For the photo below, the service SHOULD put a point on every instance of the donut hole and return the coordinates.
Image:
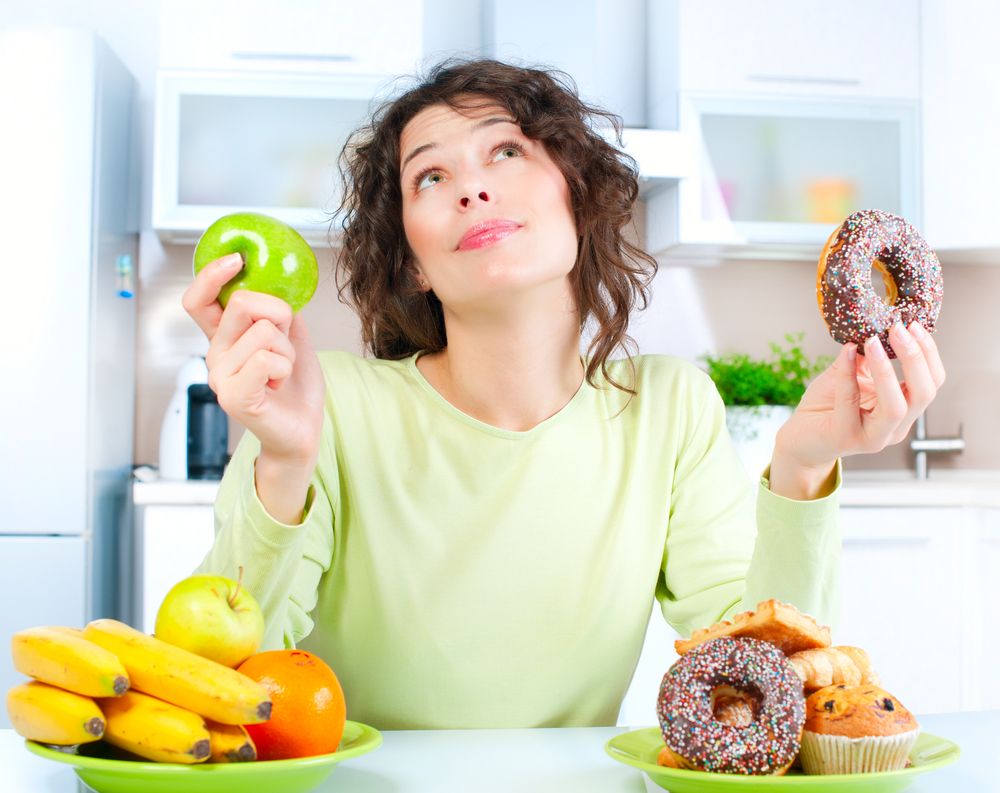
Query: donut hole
(733, 707)
(883, 284)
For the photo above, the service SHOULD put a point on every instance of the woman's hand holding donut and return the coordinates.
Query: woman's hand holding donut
(266, 375)
(857, 406)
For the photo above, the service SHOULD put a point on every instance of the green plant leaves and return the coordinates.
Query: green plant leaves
(781, 380)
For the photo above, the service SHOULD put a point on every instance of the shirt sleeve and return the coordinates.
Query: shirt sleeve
(718, 560)
(282, 564)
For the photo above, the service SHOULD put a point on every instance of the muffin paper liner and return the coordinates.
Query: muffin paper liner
(837, 754)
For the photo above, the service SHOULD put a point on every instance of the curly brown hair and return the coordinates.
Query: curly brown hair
(611, 275)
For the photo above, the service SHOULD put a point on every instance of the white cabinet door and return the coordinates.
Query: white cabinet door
(986, 640)
(803, 47)
(332, 37)
(902, 600)
(174, 540)
(961, 113)
(43, 581)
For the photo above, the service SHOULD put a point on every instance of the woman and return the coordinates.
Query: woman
(471, 525)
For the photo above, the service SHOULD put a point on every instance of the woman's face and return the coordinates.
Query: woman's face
(486, 211)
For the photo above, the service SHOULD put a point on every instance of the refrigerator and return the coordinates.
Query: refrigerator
(68, 247)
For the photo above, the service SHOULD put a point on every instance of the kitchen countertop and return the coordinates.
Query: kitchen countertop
(957, 487)
(531, 761)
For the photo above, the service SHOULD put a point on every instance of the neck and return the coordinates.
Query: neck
(510, 369)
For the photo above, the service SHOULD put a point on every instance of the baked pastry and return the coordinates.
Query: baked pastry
(852, 309)
(774, 622)
(828, 666)
(751, 671)
(854, 730)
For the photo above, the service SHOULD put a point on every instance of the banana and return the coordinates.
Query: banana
(49, 714)
(231, 743)
(182, 678)
(155, 730)
(62, 657)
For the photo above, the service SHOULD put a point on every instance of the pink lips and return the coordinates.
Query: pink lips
(486, 233)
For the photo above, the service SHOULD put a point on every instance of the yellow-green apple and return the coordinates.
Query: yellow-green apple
(276, 259)
(211, 616)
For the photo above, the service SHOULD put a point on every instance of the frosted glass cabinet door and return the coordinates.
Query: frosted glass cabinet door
(775, 172)
(42, 582)
(247, 142)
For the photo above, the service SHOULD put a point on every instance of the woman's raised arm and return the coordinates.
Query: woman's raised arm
(265, 374)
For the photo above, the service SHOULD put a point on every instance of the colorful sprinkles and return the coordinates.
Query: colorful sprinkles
(853, 311)
(769, 743)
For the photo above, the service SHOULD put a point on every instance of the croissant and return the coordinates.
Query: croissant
(831, 666)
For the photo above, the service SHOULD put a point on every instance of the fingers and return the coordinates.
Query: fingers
(930, 351)
(243, 310)
(891, 407)
(263, 335)
(919, 384)
(201, 298)
(847, 393)
(250, 384)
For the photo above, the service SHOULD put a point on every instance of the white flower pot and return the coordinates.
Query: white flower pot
(753, 430)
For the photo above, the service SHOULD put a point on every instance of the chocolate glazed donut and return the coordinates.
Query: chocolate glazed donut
(719, 667)
(910, 270)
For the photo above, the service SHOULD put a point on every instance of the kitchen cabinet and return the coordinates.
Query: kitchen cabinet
(43, 581)
(775, 176)
(175, 529)
(961, 113)
(983, 562)
(853, 49)
(902, 585)
(236, 141)
(341, 37)
(797, 124)
(601, 44)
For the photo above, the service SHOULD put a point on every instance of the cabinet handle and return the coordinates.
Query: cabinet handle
(780, 78)
(290, 56)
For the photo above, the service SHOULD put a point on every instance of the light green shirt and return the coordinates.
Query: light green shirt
(456, 575)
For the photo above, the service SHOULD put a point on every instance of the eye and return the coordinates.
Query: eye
(508, 150)
(426, 179)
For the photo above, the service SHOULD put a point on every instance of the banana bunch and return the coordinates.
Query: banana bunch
(143, 696)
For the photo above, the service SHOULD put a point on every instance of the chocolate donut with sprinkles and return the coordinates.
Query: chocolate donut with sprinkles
(761, 673)
(911, 273)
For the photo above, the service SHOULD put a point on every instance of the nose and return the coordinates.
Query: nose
(482, 196)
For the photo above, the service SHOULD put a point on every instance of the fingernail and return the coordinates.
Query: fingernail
(874, 348)
(918, 330)
(903, 333)
(852, 352)
(232, 261)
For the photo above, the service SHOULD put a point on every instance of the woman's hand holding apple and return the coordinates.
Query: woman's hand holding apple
(266, 375)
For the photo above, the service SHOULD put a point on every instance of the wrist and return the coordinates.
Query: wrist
(282, 486)
(791, 479)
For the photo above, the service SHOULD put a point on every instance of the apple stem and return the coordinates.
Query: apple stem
(232, 600)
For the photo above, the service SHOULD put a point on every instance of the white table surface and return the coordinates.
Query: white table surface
(530, 761)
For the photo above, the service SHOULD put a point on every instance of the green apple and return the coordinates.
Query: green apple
(276, 259)
(211, 616)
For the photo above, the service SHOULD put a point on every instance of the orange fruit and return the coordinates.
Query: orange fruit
(307, 705)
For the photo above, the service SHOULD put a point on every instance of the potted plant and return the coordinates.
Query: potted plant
(760, 395)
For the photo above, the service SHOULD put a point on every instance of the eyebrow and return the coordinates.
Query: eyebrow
(486, 122)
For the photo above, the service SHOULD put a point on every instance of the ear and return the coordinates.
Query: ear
(416, 277)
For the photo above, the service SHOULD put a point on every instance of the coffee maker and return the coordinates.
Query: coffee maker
(194, 437)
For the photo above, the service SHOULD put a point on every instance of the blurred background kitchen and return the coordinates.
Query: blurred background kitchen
(757, 127)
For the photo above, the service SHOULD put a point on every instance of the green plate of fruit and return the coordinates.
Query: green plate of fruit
(97, 767)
